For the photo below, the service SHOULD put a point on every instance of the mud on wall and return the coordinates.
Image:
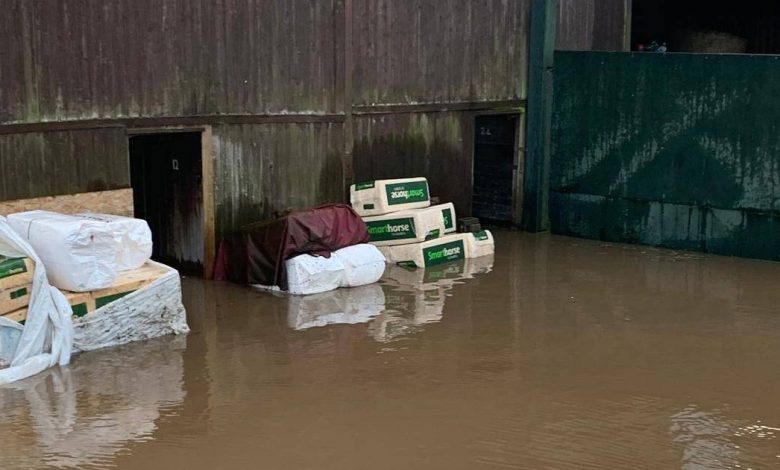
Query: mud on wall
(676, 150)
(437, 145)
(36, 164)
(264, 169)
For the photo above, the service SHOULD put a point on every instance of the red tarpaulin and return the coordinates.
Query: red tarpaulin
(257, 253)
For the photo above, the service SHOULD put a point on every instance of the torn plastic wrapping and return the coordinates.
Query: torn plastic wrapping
(152, 311)
(47, 336)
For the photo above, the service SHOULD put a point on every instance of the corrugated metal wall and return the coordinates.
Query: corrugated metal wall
(677, 150)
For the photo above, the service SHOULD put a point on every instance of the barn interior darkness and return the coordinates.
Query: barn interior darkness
(753, 23)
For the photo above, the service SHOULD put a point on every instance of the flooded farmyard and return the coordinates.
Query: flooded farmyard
(558, 353)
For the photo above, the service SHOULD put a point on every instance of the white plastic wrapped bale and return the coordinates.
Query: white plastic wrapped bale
(363, 264)
(79, 255)
(151, 311)
(307, 274)
(412, 226)
(386, 196)
(434, 252)
(134, 235)
(480, 244)
(341, 306)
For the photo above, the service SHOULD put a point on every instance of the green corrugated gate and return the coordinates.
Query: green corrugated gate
(675, 150)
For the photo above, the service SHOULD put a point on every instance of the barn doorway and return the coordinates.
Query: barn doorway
(167, 178)
(494, 167)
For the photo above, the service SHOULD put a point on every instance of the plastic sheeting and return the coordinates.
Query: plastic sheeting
(257, 254)
(134, 236)
(47, 336)
(307, 274)
(152, 311)
(363, 264)
(80, 255)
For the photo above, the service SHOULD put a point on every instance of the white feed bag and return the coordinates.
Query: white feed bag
(340, 306)
(307, 274)
(412, 226)
(363, 264)
(480, 244)
(434, 252)
(386, 196)
(79, 255)
(134, 235)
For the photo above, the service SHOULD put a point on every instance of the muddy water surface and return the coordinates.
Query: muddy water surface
(558, 354)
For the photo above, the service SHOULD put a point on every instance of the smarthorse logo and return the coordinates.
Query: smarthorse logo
(440, 254)
(405, 193)
(383, 230)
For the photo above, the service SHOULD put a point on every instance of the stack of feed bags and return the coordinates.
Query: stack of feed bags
(408, 230)
(86, 252)
(126, 282)
(16, 276)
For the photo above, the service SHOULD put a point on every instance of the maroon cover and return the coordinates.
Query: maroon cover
(256, 254)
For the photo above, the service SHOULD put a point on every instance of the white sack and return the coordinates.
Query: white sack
(434, 252)
(363, 264)
(307, 274)
(386, 196)
(340, 306)
(480, 244)
(134, 235)
(47, 336)
(412, 226)
(79, 255)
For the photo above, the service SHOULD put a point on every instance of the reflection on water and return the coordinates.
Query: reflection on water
(83, 414)
(565, 354)
(404, 300)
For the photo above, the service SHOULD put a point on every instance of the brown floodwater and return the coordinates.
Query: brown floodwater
(558, 354)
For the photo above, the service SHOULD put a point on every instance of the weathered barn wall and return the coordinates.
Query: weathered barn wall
(36, 164)
(269, 168)
(438, 51)
(86, 59)
(422, 67)
(434, 144)
(597, 25)
(677, 150)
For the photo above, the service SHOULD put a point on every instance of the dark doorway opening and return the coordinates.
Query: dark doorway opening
(167, 179)
(705, 26)
(494, 163)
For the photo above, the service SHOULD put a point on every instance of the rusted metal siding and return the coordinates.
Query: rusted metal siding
(436, 145)
(424, 51)
(586, 25)
(265, 169)
(52, 163)
(84, 59)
